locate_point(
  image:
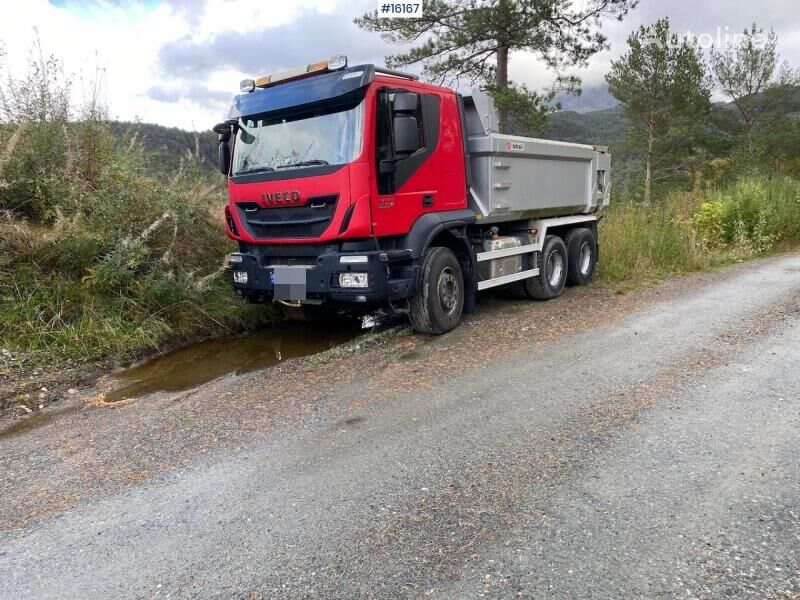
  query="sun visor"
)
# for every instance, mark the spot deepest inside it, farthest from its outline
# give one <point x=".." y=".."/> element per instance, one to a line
<point x="299" y="92"/>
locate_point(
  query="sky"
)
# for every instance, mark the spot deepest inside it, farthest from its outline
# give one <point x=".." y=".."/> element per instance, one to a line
<point x="179" y="62"/>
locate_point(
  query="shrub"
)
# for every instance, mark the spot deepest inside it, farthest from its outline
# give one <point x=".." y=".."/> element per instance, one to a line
<point x="751" y="216"/>
<point x="98" y="255"/>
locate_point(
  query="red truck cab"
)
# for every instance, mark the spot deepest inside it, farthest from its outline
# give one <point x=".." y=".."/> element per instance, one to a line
<point x="338" y="180"/>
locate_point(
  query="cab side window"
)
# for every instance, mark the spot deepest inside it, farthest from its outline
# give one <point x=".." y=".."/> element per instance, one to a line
<point x="383" y="141"/>
<point x="395" y="170"/>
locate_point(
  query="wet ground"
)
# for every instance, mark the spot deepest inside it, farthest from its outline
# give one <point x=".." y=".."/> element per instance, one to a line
<point x="36" y="420"/>
<point x="191" y="366"/>
<point x="600" y="445"/>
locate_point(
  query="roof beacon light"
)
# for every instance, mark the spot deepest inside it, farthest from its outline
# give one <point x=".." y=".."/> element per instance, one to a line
<point x="247" y="85"/>
<point x="337" y="62"/>
<point x="333" y="64"/>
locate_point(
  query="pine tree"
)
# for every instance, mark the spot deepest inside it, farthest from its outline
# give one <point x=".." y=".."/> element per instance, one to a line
<point x="662" y="85"/>
<point x="474" y="40"/>
<point x="750" y="74"/>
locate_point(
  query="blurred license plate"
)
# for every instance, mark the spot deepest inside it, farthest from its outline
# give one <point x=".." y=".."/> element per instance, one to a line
<point x="289" y="283"/>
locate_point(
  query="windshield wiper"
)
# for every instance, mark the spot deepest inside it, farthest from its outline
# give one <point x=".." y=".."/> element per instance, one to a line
<point x="256" y="170"/>
<point x="305" y="163"/>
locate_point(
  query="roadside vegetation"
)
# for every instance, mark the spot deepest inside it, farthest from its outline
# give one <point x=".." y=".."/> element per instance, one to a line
<point x="753" y="215"/>
<point x="102" y="254"/>
<point x="704" y="184"/>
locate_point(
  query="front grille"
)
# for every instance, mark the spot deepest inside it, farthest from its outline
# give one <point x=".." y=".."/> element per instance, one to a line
<point x="307" y="221"/>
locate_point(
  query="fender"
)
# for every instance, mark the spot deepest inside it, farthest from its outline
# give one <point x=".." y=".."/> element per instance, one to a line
<point x="427" y="226"/>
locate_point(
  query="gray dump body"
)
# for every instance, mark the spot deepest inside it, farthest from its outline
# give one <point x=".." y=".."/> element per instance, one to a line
<point x="519" y="178"/>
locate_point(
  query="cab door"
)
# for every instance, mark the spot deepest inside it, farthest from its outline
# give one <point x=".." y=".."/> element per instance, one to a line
<point x="406" y="185"/>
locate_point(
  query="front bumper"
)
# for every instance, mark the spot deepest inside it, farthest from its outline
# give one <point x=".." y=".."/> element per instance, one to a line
<point x="316" y="279"/>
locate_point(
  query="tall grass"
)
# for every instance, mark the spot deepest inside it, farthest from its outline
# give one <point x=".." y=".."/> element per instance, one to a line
<point x="749" y="217"/>
<point x="98" y="256"/>
<point x="117" y="264"/>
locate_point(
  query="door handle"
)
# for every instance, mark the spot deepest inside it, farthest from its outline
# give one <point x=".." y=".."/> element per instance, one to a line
<point x="427" y="200"/>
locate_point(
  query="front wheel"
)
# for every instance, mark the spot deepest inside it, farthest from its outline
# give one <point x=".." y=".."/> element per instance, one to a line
<point x="439" y="300"/>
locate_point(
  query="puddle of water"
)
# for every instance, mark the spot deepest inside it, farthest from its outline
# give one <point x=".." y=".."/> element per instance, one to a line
<point x="25" y="423"/>
<point x="35" y="420"/>
<point x="193" y="365"/>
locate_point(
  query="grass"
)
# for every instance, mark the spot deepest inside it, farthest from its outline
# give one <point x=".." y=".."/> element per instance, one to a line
<point x="749" y="217"/>
<point x="99" y="257"/>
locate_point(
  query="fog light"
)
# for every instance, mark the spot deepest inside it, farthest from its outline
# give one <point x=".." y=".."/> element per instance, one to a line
<point x="353" y="280"/>
<point x="240" y="276"/>
<point x="235" y="258"/>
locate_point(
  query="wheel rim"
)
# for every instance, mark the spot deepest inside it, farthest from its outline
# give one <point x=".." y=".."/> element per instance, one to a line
<point x="447" y="291"/>
<point x="555" y="269"/>
<point x="585" y="258"/>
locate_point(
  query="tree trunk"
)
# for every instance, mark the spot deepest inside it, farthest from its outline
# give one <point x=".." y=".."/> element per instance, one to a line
<point x="501" y="81"/>
<point x="749" y="119"/>
<point x="648" y="167"/>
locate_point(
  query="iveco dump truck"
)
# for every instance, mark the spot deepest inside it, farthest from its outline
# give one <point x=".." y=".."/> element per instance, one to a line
<point x="363" y="190"/>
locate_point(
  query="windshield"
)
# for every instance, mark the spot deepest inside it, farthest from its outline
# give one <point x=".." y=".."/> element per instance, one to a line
<point x="330" y="135"/>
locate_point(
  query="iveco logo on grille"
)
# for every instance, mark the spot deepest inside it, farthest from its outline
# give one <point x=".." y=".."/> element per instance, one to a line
<point x="281" y="198"/>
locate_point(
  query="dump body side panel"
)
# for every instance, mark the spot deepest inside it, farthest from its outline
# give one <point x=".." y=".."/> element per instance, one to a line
<point x="518" y="178"/>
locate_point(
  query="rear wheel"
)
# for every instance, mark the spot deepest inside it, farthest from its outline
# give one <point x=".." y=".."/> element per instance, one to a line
<point x="552" y="263"/>
<point x="437" y="305"/>
<point x="581" y="256"/>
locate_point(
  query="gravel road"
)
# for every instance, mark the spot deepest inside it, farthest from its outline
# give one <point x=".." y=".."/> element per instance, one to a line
<point x="597" y="446"/>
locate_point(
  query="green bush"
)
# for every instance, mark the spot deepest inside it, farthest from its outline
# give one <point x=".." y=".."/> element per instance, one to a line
<point x="748" y="217"/>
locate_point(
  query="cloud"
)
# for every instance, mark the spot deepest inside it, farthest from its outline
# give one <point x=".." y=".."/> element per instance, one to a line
<point x="197" y="93"/>
<point x="230" y="54"/>
<point x="311" y="36"/>
<point x="179" y="62"/>
<point x="718" y="20"/>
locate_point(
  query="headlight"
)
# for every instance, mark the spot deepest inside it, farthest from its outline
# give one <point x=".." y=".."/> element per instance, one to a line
<point x="240" y="276"/>
<point x="354" y="280"/>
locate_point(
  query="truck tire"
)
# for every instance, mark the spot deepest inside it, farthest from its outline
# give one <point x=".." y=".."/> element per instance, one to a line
<point x="552" y="263"/>
<point x="581" y="256"/>
<point x="436" y="306"/>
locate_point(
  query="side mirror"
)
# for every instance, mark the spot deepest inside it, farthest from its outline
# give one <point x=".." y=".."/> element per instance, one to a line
<point x="224" y="157"/>
<point x="224" y="131"/>
<point x="405" y="102"/>
<point x="386" y="167"/>
<point x="406" y="135"/>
